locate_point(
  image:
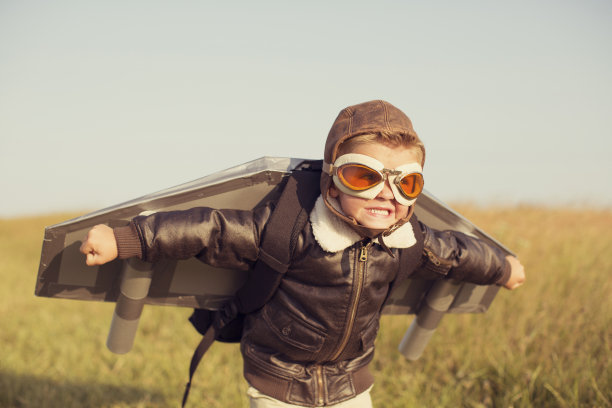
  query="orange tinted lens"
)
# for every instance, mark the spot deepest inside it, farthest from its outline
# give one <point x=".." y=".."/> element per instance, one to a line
<point x="358" y="177"/>
<point x="411" y="185"/>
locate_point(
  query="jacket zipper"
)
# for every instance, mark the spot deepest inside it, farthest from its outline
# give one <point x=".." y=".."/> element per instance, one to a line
<point x="319" y="374"/>
<point x="363" y="258"/>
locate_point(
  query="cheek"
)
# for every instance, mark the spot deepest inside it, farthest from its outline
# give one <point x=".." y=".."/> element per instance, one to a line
<point x="350" y="205"/>
<point x="401" y="211"/>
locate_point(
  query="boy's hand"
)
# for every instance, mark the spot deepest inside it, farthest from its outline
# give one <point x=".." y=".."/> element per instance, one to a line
<point x="100" y="246"/>
<point x="517" y="274"/>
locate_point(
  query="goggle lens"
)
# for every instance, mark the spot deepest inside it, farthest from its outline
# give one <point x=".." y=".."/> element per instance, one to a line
<point x="411" y="185"/>
<point x="358" y="177"/>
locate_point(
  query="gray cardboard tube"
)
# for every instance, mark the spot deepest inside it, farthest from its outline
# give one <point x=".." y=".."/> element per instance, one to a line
<point x="442" y="295"/>
<point x="429" y="318"/>
<point x="135" y="283"/>
<point x="415" y="340"/>
<point x="437" y="302"/>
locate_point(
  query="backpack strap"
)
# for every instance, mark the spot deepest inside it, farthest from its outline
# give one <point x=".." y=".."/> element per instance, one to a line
<point x="410" y="258"/>
<point x="279" y="239"/>
<point x="207" y="340"/>
<point x="278" y="242"/>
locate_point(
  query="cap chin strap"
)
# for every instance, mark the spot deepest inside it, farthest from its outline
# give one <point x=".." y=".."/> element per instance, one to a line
<point x="394" y="227"/>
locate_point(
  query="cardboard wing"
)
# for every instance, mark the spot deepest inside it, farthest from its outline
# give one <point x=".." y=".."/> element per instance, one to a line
<point x="190" y="283"/>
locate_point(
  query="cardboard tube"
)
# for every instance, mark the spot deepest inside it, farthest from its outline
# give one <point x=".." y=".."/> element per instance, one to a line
<point x="135" y="283"/>
<point x="437" y="302"/>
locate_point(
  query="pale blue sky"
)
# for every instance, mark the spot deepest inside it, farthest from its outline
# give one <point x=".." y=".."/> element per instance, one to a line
<point x="102" y="102"/>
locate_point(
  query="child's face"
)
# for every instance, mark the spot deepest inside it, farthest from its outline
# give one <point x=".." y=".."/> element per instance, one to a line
<point x="382" y="211"/>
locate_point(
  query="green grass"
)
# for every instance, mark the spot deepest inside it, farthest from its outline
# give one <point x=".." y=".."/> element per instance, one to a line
<point x="547" y="344"/>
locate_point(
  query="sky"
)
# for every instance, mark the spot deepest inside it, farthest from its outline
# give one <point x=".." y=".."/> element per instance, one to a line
<point x="103" y="102"/>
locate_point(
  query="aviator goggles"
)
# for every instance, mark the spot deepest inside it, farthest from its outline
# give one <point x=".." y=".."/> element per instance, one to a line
<point x="363" y="176"/>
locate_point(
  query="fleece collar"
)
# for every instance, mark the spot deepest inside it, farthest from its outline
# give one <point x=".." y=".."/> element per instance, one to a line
<point x="334" y="234"/>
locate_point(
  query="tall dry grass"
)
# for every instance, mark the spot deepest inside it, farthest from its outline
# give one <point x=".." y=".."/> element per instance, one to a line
<point x="547" y="344"/>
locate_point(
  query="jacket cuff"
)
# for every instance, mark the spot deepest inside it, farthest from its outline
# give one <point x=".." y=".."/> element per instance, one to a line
<point x="128" y="243"/>
<point x="505" y="277"/>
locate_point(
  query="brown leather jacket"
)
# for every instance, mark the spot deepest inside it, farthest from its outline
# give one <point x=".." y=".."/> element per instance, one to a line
<point x="311" y="344"/>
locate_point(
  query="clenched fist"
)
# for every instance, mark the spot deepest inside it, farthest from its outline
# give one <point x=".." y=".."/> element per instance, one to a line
<point x="100" y="246"/>
<point x="517" y="274"/>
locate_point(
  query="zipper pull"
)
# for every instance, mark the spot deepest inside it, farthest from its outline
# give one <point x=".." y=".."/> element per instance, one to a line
<point x="432" y="257"/>
<point x="363" y="254"/>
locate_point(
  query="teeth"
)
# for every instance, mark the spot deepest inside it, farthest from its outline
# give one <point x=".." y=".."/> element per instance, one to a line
<point x="377" y="211"/>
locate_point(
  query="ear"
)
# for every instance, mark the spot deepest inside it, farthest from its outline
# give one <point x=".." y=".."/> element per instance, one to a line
<point x="333" y="191"/>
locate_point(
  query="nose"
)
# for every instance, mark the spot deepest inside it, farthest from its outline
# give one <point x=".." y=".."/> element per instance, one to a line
<point x="386" y="193"/>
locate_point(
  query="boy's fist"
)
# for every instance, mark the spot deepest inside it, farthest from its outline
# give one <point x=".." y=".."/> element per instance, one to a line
<point x="100" y="246"/>
<point x="517" y="274"/>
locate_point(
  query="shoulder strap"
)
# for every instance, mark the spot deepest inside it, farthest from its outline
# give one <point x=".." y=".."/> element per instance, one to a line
<point x="409" y="257"/>
<point x="279" y="238"/>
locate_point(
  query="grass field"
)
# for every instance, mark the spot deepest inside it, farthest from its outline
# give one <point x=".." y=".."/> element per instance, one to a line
<point x="547" y="344"/>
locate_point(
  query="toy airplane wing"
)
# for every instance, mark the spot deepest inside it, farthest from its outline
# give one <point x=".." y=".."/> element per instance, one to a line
<point x="133" y="283"/>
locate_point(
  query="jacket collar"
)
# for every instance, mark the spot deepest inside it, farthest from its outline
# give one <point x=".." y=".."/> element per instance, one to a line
<point x="333" y="234"/>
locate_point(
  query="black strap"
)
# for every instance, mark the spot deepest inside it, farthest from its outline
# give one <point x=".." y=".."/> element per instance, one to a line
<point x="278" y="241"/>
<point x="205" y="343"/>
<point x="409" y="257"/>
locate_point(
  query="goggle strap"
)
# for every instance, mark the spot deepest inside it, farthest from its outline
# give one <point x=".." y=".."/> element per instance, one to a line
<point x="327" y="168"/>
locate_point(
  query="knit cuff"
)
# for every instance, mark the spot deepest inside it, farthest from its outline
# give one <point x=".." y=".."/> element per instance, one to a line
<point x="128" y="243"/>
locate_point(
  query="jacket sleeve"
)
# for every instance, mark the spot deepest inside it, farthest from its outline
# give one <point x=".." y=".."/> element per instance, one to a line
<point x="455" y="255"/>
<point x="221" y="238"/>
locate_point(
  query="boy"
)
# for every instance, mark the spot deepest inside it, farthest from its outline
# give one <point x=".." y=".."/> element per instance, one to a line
<point x="311" y="344"/>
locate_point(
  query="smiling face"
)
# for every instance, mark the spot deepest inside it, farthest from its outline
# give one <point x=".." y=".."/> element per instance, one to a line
<point x="382" y="211"/>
